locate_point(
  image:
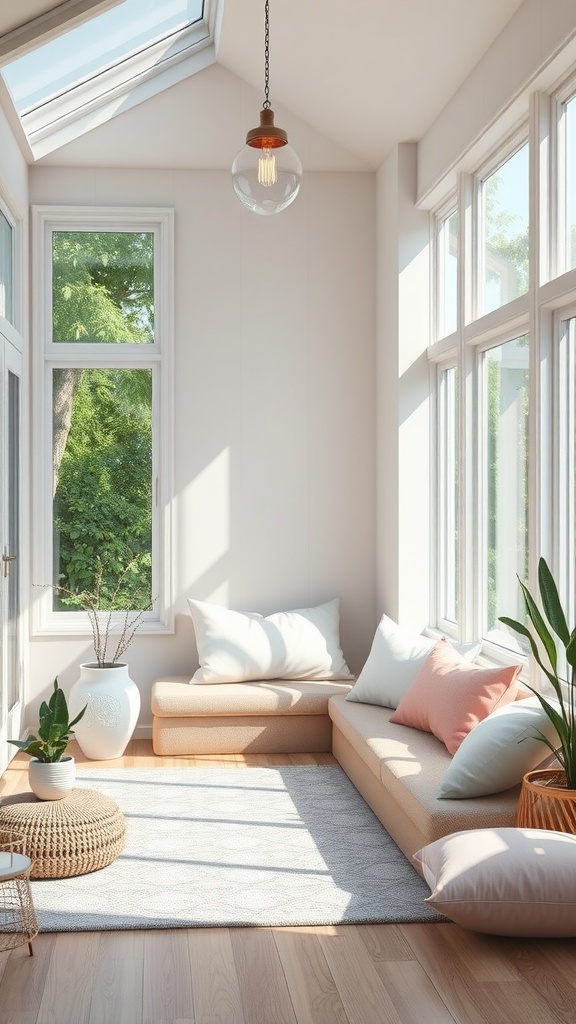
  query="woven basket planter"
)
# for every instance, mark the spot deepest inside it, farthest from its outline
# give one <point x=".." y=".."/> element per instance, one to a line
<point x="546" y="803"/>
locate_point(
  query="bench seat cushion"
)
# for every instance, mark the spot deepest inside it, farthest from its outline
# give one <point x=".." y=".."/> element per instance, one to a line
<point x="411" y="765"/>
<point x="174" y="697"/>
<point x="265" y="717"/>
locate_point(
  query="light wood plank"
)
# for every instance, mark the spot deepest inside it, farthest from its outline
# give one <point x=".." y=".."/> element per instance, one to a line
<point x="263" y="988"/>
<point x="453" y="980"/>
<point x="362" y="992"/>
<point x="484" y="956"/>
<point x="167" y="990"/>
<point x="312" y="988"/>
<point x="118" y="977"/>
<point x="561" y="953"/>
<point x="216" y="991"/>
<point x="413" y="994"/>
<point x="68" y="990"/>
<point x="23" y="981"/>
<point x="385" y="943"/>
<point x="514" y="1002"/>
<point x="544" y="978"/>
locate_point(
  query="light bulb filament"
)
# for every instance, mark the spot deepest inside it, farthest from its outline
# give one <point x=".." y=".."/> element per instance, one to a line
<point x="267" y="173"/>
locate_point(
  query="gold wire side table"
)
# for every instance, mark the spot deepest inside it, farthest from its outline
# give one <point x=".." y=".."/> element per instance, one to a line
<point x="18" y="923"/>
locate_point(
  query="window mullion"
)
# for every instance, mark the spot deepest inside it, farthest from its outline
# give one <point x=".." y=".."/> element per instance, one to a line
<point x="543" y="246"/>
<point x="467" y="270"/>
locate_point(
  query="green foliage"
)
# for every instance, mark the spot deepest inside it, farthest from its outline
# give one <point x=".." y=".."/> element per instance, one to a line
<point x="508" y="247"/>
<point x="103" y="286"/>
<point x="54" y="729"/>
<point x="103" y="291"/>
<point x="563" y="714"/>
<point x="103" y="501"/>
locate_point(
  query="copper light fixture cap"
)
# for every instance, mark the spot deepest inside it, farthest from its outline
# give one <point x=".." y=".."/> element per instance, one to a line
<point x="267" y="135"/>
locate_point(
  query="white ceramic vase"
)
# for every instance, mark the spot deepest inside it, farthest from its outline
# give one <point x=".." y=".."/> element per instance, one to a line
<point x="52" y="780"/>
<point x="112" y="702"/>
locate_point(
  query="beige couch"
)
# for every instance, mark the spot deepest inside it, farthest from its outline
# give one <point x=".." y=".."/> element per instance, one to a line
<point x="397" y="770"/>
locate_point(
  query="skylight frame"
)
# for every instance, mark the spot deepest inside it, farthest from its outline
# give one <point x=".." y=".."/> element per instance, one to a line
<point x="84" y="105"/>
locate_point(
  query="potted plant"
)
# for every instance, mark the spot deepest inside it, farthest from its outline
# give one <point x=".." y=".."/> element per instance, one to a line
<point x="50" y="773"/>
<point x="112" y="698"/>
<point x="556" y="806"/>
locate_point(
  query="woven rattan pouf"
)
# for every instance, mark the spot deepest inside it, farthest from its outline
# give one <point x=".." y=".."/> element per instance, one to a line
<point x="82" y="832"/>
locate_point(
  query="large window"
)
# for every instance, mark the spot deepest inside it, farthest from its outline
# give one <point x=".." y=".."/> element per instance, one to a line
<point x="105" y="359"/>
<point x="505" y="479"/>
<point x="506" y="377"/>
<point x="503" y="229"/>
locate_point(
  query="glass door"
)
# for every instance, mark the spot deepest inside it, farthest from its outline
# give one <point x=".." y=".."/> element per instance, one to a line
<point x="11" y="669"/>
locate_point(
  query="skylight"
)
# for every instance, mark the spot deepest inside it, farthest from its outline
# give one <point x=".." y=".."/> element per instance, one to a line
<point x="98" y="63"/>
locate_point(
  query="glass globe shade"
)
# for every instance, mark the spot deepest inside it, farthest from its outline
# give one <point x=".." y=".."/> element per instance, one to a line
<point x="266" y="181"/>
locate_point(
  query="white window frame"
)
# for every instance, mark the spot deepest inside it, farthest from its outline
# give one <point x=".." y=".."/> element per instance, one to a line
<point x="441" y="216"/>
<point x="559" y="239"/>
<point x="564" y="427"/>
<point x="158" y="357"/>
<point x="495" y="638"/>
<point x="448" y="627"/>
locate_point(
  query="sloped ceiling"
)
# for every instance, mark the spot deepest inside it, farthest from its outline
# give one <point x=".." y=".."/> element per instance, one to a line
<point x="364" y="74"/>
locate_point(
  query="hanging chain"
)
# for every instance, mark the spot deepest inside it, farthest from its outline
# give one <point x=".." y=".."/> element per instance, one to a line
<point x="266" y="105"/>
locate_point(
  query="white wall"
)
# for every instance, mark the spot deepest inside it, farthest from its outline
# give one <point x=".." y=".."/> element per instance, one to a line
<point x="403" y="376"/>
<point x="536" y="48"/>
<point x="13" y="171"/>
<point x="14" y="194"/>
<point x="273" y="403"/>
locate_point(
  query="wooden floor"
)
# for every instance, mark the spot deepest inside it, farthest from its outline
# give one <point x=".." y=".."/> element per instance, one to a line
<point x="369" y="974"/>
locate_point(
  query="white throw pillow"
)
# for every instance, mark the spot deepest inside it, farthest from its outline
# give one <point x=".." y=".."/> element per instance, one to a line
<point x="504" y="881"/>
<point x="235" y="647"/>
<point x="499" y="751"/>
<point x="396" y="656"/>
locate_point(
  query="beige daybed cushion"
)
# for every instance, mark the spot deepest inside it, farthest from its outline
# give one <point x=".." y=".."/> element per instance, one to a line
<point x="173" y="697"/>
<point x="411" y="765"/>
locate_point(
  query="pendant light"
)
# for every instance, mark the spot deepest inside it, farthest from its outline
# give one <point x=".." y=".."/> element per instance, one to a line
<point x="267" y="173"/>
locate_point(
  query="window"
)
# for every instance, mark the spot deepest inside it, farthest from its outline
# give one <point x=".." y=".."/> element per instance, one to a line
<point x="506" y="463"/>
<point x="104" y="41"/>
<point x="448" y="570"/>
<point x="504" y="444"/>
<point x="126" y="53"/>
<point x="104" y="280"/>
<point x="447" y="272"/>
<point x="565" y="461"/>
<point x="503" y="231"/>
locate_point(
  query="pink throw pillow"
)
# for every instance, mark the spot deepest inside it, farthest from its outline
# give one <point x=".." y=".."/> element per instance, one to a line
<point x="449" y="696"/>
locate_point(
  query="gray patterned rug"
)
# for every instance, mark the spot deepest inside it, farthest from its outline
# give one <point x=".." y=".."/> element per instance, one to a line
<point x="238" y="846"/>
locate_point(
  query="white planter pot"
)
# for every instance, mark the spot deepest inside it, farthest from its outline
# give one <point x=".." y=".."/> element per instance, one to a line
<point x="112" y="702"/>
<point x="53" y="780"/>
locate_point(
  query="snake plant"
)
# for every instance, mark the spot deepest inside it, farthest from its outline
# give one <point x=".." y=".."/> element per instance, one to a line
<point x="563" y="713"/>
